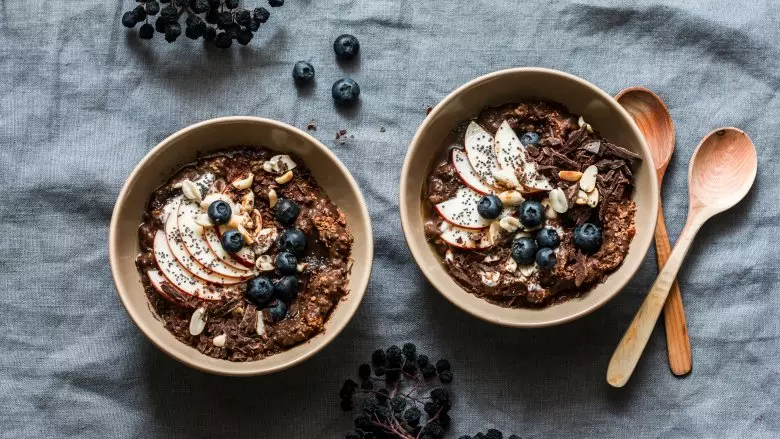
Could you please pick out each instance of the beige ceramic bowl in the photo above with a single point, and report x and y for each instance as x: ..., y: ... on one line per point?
x: 513, y: 85
x: 181, y: 148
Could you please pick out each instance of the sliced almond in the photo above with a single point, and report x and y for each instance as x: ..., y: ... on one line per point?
x: 510, y: 265
x: 220, y: 340
x: 588, y: 180
x: 506, y: 178
x: 281, y: 163
x: 527, y: 270
x: 582, y: 197
x: 549, y: 213
x: 268, y: 167
x: 511, y: 198
x: 494, y: 232
x: 257, y: 217
x: 198, y: 321
x: 581, y: 122
x: 491, y: 258
x: 593, y: 197
x: 569, y: 175
x: 248, y: 201
x: 509, y: 223
x: 248, y: 239
x: 558, y: 201
x: 260, y: 325
x: 203, y: 220
x: 490, y: 278
x: 264, y: 263
x: 285, y: 178
x: 191, y: 191
x: 244, y: 183
x: 272, y: 198
x: 302, y: 266
x: 264, y: 239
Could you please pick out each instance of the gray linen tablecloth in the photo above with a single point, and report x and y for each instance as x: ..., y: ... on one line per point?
x: 83, y: 100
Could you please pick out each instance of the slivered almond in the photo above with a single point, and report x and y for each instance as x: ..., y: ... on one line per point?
x: 569, y: 175
x: 260, y: 325
x: 510, y: 265
x: 511, y: 198
x: 272, y: 198
x: 220, y: 340
x: 245, y: 182
x: 264, y: 263
x: 248, y: 201
x: 191, y: 191
x: 494, y: 232
x: 302, y: 266
x: 527, y: 270
x: 593, y: 197
x: 490, y: 278
x: 284, y: 178
x: 582, y: 197
x: 506, y: 178
x: 198, y: 321
x: 558, y: 201
x: 588, y: 179
x: 509, y: 223
x: 581, y: 122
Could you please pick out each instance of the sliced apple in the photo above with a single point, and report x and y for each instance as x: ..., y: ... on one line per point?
x: 245, y: 256
x: 215, y: 245
x: 463, y: 238
x: 166, y: 289
x: 479, y: 150
x: 462, y: 210
x: 511, y: 154
x: 192, y: 236
x: 178, y: 276
x: 465, y: 171
x: 183, y: 256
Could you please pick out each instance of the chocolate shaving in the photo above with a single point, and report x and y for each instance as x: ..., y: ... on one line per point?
x: 593, y: 146
x: 571, y: 193
x: 560, y: 159
x: 575, y: 139
x: 620, y: 151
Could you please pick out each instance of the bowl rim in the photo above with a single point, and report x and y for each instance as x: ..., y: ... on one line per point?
x: 357, y: 292
x: 417, y: 250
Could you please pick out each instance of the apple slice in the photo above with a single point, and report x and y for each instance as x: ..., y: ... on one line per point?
x: 192, y: 237
x: 462, y: 210
x: 511, y: 154
x: 245, y: 256
x: 215, y: 245
x: 166, y: 289
x: 184, y: 257
x: 179, y: 277
x: 463, y: 238
x: 465, y: 171
x: 479, y: 150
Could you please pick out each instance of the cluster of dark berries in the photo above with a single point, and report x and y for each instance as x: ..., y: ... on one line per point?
x: 221, y: 21
x: 345, y: 91
x: 394, y: 398
x: 490, y: 434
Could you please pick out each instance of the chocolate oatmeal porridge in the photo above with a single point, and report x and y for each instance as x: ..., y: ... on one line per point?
x: 531, y: 206
x: 243, y: 255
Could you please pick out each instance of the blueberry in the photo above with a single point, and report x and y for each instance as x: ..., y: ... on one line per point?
x: 232, y: 241
x: 286, y: 288
x: 524, y: 250
x: 545, y: 258
x: 345, y: 91
x: 286, y: 263
x: 346, y: 46
x: 275, y: 311
x: 531, y: 213
x: 529, y: 138
x: 129, y: 19
x: 548, y: 238
x: 587, y: 237
x: 220, y: 212
x: 259, y: 290
x: 490, y: 207
x: 303, y: 72
x: 286, y: 211
x: 293, y: 241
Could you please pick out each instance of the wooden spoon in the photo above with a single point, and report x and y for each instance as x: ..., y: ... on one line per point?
x: 653, y: 118
x: 721, y: 172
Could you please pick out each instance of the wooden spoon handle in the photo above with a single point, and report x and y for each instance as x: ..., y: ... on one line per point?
x: 677, y: 342
x: 633, y: 343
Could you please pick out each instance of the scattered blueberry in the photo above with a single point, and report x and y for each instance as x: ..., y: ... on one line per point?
x: 345, y: 91
x: 286, y: 211
x: 530, y: 138
x: 261, y: 15
x: 286, y: 288
x: 231, y: 4
x: 146, y: 32
x: 286, y: 263
x: 531, y: 213
x: 587, y: 237
x: 223, y: 40
x: 244, y: 36
x: 129, y: 19
x: 172, y: 31
x: 220, y: 212
x: 548, y: 238
x: 545, y: 258
x: 303, y: 72
x: 152, y: 7
x: 275, y: 311
x: 490, y: 207
x: 524, y: 250
x: 293, y: 241
x: 232, y: 241
x: 140, y: 13
x: 346, y: 46
x: 259, y: 290
x: 198, y: 6
x: 276, y: 3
